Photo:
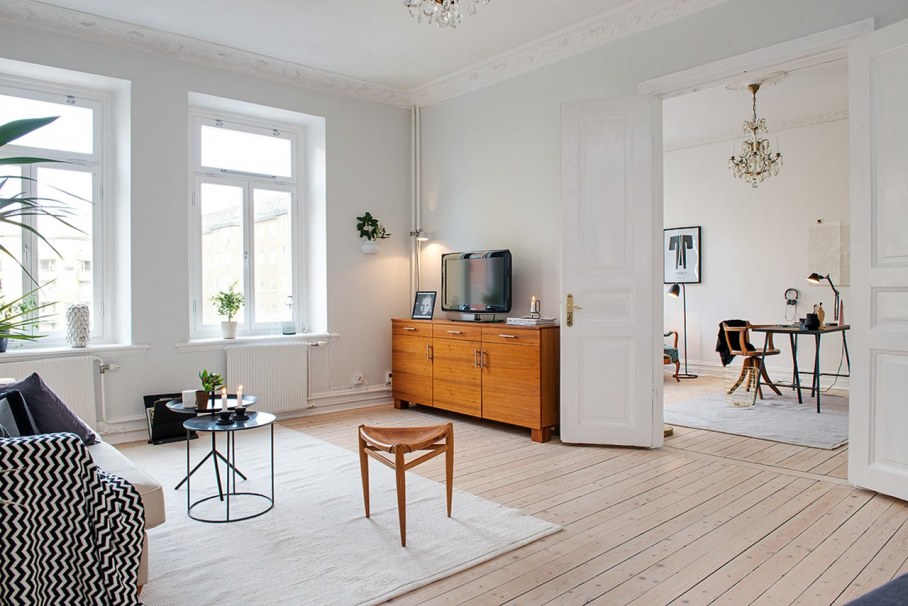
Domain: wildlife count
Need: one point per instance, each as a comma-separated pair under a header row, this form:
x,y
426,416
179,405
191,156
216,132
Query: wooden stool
x,y
400,440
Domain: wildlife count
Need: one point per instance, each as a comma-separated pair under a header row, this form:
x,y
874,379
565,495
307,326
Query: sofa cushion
x,y
50,413
113,461
15,418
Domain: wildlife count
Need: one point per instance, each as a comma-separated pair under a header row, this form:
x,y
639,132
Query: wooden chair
x,y
670,354
398,441
737,339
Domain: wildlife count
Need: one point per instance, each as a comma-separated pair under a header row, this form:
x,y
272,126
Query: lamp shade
x,y
420,235
814,278
674,291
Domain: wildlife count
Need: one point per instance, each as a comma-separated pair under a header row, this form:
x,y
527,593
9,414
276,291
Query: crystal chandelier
x,y
445,13
756,162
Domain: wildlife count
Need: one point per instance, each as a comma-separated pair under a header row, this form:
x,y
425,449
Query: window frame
x,y
200,174
100,163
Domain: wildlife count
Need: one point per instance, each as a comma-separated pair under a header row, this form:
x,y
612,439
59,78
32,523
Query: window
x,y
62,265
245,220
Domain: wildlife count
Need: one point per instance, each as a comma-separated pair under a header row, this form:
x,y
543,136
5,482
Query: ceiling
x,y
372,40
374,49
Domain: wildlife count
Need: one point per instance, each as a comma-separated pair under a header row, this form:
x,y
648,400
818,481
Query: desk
x,y
793,331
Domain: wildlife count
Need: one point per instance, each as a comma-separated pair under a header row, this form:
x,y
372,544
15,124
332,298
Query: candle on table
x,y
223,398
239,395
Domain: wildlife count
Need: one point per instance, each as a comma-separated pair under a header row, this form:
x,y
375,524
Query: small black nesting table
x,y
211,424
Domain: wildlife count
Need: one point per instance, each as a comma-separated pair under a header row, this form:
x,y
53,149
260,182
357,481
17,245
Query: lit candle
x,y
223,398
532,303
239,395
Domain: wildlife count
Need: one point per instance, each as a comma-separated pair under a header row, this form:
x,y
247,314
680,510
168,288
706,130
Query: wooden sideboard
x,y
492,371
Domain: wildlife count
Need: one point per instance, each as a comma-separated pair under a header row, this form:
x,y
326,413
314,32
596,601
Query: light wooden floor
x,y
708,519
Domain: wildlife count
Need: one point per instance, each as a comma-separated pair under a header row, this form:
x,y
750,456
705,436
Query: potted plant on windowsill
x,y
210,382
19,318
370,229
228,303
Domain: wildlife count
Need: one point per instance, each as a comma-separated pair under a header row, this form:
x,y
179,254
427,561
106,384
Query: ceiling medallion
x,y
445,13
757,161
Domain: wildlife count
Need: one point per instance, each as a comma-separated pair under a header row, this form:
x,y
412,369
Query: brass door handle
x,y
570,309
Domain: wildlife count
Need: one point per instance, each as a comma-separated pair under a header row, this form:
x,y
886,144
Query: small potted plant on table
x,y
228,303
210,382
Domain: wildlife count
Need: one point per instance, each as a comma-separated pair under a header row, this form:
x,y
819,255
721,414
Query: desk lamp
x,y
674,291
815,278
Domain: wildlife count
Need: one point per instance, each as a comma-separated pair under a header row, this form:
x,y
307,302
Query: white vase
x,y
78,325
228,330
369,247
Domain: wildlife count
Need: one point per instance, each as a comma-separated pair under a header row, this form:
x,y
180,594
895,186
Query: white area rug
x,y
315,546
780,419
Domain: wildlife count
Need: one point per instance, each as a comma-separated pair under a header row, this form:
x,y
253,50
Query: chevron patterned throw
x,y
69,533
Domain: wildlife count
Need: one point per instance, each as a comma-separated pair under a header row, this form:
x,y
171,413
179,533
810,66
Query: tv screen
x,y
476,282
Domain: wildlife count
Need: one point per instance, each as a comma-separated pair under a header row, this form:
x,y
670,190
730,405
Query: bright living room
x,y
134,380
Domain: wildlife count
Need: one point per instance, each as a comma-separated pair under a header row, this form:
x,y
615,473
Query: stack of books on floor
x,y
530,321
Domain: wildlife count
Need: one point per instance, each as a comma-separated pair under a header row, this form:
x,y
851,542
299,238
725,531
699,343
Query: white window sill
x,y
100,349
214,344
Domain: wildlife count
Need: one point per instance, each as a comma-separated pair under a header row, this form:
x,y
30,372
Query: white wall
x,y
368,168
491,159
755,240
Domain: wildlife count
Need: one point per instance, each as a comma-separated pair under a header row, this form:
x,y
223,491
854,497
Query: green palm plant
x,y
20,316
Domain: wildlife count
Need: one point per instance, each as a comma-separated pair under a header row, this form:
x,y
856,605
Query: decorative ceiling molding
x,y
809,120
596,32
126,35
620,23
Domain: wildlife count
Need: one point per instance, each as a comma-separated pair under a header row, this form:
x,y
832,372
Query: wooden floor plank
x,y
710,519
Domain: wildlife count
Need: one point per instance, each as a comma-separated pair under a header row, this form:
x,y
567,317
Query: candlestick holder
x,y
535,308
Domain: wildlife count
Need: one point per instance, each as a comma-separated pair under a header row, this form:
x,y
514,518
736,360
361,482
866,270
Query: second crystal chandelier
x,y
444,13
757,160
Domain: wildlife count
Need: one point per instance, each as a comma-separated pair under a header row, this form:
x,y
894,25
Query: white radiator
x,y
76,379
276,373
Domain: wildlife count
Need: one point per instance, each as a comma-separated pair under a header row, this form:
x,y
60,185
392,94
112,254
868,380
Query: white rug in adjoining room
x,y
315,546
776,418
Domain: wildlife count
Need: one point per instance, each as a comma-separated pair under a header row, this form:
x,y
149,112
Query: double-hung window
x,y
64,267
245,228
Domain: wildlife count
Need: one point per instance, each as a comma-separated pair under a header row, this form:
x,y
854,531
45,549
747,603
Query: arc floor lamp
x,y
678,290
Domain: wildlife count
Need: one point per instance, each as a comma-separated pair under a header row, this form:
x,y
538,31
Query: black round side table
x,y
254,420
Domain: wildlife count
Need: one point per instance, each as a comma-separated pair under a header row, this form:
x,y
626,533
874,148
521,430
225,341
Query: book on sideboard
x,y
530,321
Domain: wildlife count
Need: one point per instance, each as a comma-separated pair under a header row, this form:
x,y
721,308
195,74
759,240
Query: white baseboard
x,y
780,372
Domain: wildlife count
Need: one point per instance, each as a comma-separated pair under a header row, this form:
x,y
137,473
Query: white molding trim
x,y
808,120
598,31
126,35
620,23
800,52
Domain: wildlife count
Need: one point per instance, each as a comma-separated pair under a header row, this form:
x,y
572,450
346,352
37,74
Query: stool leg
x,y
399,472
449,465
364,472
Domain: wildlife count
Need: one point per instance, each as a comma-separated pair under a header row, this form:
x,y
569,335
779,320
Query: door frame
x,y
801,52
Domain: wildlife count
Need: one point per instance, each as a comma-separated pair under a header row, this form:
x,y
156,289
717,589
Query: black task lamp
x,y
816,278
677,290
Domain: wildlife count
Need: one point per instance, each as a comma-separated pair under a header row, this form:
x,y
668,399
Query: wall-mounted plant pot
x,y
369,247
228,330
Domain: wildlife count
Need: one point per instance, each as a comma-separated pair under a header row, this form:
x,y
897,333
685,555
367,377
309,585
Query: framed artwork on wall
x,y
423,305
681,254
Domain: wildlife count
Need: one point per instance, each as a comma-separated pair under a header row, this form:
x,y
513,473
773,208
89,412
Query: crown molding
x,y
599,31
174,46
614,25
808,120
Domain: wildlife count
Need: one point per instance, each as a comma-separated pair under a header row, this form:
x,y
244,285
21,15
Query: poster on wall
x,y
681,255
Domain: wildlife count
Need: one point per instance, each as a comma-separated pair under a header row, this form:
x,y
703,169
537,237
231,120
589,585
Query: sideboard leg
x,y
401,404
541,435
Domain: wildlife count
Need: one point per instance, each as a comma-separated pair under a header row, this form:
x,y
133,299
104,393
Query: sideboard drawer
x,y
510,335
414,328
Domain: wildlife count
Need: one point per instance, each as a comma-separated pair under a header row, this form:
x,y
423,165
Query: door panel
x,y
411,369
511,384
611,376
878,80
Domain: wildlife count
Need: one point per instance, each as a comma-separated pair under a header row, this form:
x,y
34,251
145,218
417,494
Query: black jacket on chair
x,y
722,342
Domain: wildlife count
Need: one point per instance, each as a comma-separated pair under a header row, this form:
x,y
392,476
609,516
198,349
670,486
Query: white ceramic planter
x,y
369,247
228,330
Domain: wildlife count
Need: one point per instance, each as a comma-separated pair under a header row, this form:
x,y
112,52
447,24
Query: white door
x,y
878,75
611,189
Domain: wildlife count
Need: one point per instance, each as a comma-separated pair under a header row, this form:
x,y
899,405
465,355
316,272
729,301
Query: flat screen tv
x,y
477,282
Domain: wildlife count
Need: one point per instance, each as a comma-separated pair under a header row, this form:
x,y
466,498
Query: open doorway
x,y
758,245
